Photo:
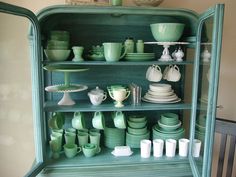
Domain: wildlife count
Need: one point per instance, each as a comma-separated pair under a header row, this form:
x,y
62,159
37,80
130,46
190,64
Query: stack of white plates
x,y
139,56
161,93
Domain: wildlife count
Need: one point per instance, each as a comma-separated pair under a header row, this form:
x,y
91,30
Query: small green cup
x,y
82,138
71,150
90,150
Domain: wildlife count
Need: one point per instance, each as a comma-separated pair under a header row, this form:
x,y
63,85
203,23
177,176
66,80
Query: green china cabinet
x,y
93,25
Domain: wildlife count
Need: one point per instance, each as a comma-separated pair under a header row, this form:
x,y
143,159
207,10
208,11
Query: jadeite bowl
x,y
57,55
169,119
137,131
132,124
169,127
167,32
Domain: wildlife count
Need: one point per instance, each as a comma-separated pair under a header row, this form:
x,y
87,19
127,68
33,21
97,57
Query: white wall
x,y
16,134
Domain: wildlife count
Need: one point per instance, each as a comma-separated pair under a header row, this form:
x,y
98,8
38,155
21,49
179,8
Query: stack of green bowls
x,y
136,131
114,137
58,46
168,126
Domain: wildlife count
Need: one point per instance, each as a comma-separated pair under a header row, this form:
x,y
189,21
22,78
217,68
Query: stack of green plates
x,y
136,131
139,56
114,137
169,126
200,127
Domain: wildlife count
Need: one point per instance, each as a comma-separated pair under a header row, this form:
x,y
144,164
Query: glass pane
x,y
203,87
16,123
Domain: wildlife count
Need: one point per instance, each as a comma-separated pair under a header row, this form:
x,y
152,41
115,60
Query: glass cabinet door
x,y
205,89
17,133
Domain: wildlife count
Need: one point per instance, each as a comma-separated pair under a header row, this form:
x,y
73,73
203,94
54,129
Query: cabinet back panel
x,y
104,76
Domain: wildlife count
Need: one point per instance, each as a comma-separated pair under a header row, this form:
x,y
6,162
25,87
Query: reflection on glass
x,y
16,123
203,87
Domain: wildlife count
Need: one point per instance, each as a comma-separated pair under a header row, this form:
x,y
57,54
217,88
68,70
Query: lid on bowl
x,y
97,90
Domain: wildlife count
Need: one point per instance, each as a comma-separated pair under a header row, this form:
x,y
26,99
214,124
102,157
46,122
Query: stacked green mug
x,y
136,131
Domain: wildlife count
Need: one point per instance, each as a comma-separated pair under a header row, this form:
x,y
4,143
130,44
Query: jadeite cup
x,y
71,150
78,121
82,138
70,137
90,149
94,138
98,120
119,120
112,51
78,51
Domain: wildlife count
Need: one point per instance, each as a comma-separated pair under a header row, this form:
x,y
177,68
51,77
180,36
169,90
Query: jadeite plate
x,y
139,58
159,130
65,68
140,54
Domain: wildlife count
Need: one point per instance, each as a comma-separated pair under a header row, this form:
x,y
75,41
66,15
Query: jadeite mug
x,y
112,51
119,120
98,120
71,150
78,121
90,149
119,95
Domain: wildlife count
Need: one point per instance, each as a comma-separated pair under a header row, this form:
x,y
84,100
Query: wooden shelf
x,y
86,106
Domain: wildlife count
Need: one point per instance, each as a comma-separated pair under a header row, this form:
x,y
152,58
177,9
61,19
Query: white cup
x,y
183,147
196,148
170,147
145,146
158,145
154,74
173,74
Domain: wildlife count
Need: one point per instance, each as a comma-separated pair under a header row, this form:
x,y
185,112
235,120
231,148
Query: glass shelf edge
x,y
102,63
84,106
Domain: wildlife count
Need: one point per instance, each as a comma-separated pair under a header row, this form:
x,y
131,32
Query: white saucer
x,y
171,92
173,95
152,101
160,87
167,99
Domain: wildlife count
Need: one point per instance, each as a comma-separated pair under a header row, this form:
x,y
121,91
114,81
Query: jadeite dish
x,y
169,127
137,131
57,55
167,32
137,124
137,118
169,118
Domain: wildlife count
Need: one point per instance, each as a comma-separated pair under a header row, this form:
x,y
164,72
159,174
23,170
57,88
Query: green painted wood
x,y
205,168
91,25
105,164
217,40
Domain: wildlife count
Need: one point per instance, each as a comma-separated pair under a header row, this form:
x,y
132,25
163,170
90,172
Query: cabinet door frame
x,y
37,90
217,13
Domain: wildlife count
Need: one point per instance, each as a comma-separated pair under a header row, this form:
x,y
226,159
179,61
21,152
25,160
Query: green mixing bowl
x,y
167,32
